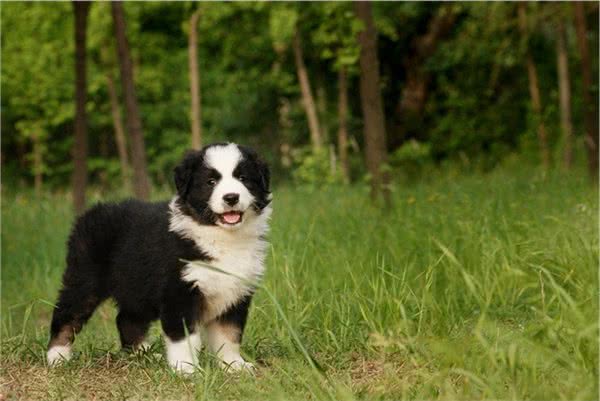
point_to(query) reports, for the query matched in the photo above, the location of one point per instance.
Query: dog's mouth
(231, 218)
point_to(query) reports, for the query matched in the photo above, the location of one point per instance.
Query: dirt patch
(111, 380)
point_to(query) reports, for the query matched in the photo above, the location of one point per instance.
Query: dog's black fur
(125, 251)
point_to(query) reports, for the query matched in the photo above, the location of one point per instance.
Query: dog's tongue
(232, 217)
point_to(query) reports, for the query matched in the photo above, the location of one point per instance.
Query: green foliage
(36, 79)
(336, 34)
(476, 94)
(282, 25)
(410, 159)
(36, 133)
(315, 169)
(412, 151)
(477, 105)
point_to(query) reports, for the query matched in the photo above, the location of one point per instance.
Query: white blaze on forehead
(225, 159)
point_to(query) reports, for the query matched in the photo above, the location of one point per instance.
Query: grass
(470, 287)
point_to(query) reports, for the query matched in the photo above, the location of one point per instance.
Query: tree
(284, 29)
(413, 96)
(38, 162)
(335, 37)
(372, 103)
(79, 178)
(37, 90)
(308, 100)
(141, 181)
(195, 111)
(534, 88)
(472, 109)
(564, 90)
(36, 133)
(343, 123)
(120, 140)
(590, 103)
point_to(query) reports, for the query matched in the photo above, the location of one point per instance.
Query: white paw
(58, 354)
(143, 347)
(238, 365)
(184, 368)
(182, 354)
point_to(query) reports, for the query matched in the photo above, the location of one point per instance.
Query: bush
(411, 158)
(315, 169)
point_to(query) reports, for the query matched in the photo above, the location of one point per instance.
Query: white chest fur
(238, 254)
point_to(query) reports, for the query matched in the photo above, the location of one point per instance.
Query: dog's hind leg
(73, 310)
(86, 280)
(132, 330)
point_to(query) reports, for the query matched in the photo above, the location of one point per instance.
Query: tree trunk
(37, 162)
(120, 139)
(564, 89)
(343, 123)
(409, 109)
(590, 102)
(372, 103)
(79, 178)
(195, 112)
(322, 109)
(307, 97)
(534, 90)
(285, 124)
(141, 181)
(104, 154)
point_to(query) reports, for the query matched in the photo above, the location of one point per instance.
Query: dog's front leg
(179, 319)
(224, 341)
(224, 336)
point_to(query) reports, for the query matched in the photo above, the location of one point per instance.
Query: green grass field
(470, 287)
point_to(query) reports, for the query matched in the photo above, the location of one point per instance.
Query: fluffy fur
(193, 262)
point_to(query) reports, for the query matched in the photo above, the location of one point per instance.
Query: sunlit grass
(467, 288)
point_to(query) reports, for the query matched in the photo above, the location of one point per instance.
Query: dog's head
(223, 184)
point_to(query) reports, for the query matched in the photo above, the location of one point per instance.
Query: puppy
(193, 262)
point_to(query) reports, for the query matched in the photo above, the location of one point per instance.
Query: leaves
(282, 24)
(476, 107)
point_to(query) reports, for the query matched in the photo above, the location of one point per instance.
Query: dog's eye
(212, 182)
(242, 178)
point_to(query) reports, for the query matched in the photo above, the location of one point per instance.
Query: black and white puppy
(136, 252)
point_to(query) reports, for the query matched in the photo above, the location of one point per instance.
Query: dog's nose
(231, 199)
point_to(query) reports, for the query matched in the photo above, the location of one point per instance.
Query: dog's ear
(261, 166)
(265, 174)
(184, 172)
